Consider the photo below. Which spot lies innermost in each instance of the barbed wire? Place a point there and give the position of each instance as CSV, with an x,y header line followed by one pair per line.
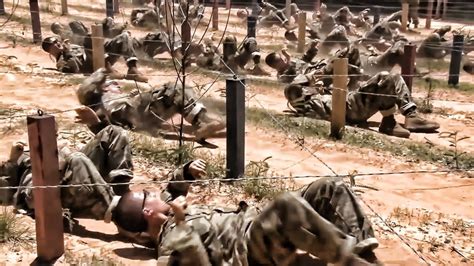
x,y
239,179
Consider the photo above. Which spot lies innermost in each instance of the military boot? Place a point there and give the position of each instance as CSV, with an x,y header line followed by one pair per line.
x,y
133,73
112,72
415,123
389,126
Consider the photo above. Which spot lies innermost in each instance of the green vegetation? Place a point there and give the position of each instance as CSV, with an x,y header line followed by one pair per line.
x,y
13,230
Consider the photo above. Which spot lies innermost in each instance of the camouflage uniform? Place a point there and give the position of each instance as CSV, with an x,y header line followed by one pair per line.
x,y
106,159
435,45
78,59
324,219
360,106
145,112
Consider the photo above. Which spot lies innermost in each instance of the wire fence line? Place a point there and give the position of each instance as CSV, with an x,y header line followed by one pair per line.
x,y
248,178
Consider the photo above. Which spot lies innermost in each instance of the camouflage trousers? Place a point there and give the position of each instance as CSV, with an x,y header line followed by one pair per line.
x,y
325,221
381,93
105,159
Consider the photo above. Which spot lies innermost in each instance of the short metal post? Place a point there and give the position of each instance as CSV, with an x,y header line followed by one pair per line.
x,y
376,15
235,117
109,8
215,15
251,26
456,57
405,10
64,10
429,14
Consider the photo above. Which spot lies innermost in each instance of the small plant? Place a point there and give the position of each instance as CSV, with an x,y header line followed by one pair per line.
x,y
424,218
13,230
454,140
260,188
425,106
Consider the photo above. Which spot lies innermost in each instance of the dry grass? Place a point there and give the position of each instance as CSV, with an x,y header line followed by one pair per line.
x,y
13,230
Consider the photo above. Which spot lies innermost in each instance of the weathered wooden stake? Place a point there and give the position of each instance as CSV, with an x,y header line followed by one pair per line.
x,y
456,57
227,4
109,8
252,26
185,36
301,32
168,16
64,10
235,117
47,201
215,15
116,6
2,8
438,9
35,21
376,15
98,60
405,9
408,64
339,94
429,14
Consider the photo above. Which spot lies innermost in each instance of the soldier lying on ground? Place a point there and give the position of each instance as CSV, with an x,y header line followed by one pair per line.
x,y
106,159
148,110
268,15
148,17
237,58
382,35
382,93
71,58
434,46
324,219
78,31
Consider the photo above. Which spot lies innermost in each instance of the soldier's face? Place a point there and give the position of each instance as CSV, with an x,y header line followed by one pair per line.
x,y
155,211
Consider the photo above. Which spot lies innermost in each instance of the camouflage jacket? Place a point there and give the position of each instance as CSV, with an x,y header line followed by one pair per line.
x,y
74,59
208,236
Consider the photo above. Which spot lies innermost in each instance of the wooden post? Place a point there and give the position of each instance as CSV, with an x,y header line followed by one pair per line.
x,y
438,9
445,8
405,9
2,8
98,60
64,10
168,17
301,32
116,6
35,21
109,8
251,26
235,117
227,4
408,64
215,15
339,94
429,14
47,201
288,9
185,36
376,15
456,57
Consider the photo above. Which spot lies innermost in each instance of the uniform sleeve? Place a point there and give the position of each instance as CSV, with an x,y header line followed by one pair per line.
x,y
68,64
183,246
174,190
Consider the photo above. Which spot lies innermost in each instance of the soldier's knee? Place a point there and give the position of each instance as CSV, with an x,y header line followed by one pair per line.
x,y
323,186
77,159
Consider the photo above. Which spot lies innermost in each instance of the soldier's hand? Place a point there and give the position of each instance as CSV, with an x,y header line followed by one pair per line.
x,y
178,206
86,115
197,168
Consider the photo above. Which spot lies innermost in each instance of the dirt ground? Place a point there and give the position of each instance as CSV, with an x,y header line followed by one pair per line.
x,y
431,215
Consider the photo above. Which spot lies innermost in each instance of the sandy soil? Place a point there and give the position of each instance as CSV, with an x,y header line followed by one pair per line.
x,y
447,198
